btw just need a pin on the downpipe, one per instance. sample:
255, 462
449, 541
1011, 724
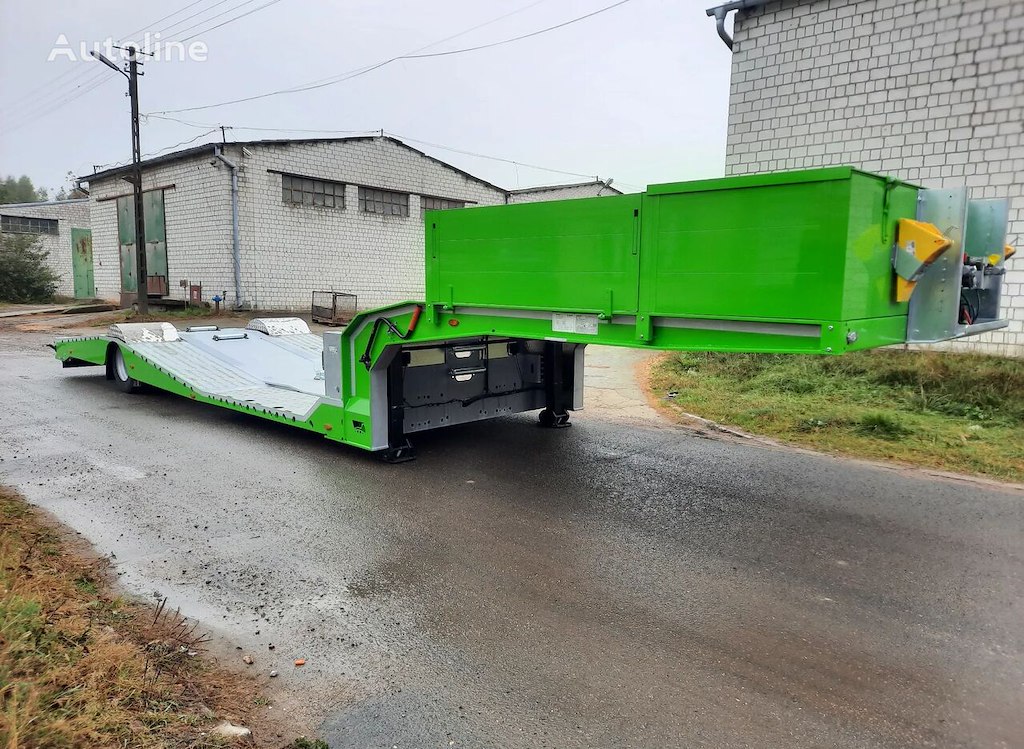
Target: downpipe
236, 252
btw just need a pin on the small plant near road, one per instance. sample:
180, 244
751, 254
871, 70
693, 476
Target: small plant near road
24, 275
957, 412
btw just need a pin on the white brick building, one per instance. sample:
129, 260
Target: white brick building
929, 91
342, 214
54, 222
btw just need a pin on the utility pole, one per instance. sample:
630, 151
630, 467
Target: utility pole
141, 271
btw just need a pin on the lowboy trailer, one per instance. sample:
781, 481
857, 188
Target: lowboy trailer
811, 262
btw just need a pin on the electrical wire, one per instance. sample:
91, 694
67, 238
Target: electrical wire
43, 108
523, 36
194, 15
357, 72
403, 138
80, 72
223, 23
33, 115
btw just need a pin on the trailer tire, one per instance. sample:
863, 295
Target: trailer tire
119, 370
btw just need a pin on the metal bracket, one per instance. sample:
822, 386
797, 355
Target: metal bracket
918, 245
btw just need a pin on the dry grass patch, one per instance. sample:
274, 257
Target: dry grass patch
954, 412
80, 667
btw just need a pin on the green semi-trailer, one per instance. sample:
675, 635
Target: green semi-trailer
821, 261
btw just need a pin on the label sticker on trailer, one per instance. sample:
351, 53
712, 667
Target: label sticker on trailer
562, 322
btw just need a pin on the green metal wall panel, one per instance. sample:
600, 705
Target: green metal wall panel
575, 255
804, 247
749, 252
875, 206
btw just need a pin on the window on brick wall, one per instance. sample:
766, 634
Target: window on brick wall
428, 203
26, 225
305, 191
384, 202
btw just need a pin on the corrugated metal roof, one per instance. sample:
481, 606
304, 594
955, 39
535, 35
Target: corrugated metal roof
40, 203
545, 188
208, 148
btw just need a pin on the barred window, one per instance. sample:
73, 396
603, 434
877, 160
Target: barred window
428, 203
26, 225
306, 191
384, 202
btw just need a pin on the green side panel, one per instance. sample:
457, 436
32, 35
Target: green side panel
575, 255
90, 350
757, 252
875, 206
802, 176
807, 247
81, 263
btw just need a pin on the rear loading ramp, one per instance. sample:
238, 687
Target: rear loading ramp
249, 368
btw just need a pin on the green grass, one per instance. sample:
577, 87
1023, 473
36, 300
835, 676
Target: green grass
956, 412
82, 667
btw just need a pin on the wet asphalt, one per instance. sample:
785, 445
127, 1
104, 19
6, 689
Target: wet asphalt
623, 583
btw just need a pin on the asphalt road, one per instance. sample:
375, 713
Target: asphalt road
622, 583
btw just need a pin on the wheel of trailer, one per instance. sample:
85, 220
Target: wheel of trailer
119, 368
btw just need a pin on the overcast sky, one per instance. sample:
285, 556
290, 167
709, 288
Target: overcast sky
638, 93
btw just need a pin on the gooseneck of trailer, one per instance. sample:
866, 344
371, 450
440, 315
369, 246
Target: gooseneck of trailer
813, 262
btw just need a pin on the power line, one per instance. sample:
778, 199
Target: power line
367, 68
408, 56
189, 18
80, 72
43, 108
360, 132
83, 89
491, 158
519, 38
210, 128
225, 23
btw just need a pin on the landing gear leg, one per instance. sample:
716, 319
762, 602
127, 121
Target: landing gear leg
399, 449
401, 454
551, 420
555, 415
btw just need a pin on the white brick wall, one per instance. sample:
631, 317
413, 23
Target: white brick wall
289, 251
929, 91
197, 214
70, 214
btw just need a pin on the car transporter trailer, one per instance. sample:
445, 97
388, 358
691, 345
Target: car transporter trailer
811, 262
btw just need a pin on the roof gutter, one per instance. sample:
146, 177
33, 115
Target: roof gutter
723, 10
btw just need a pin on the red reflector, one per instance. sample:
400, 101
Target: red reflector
453, 322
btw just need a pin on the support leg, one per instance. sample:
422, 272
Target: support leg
399, 448
554, 415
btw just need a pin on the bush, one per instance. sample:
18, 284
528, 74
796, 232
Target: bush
24, 273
